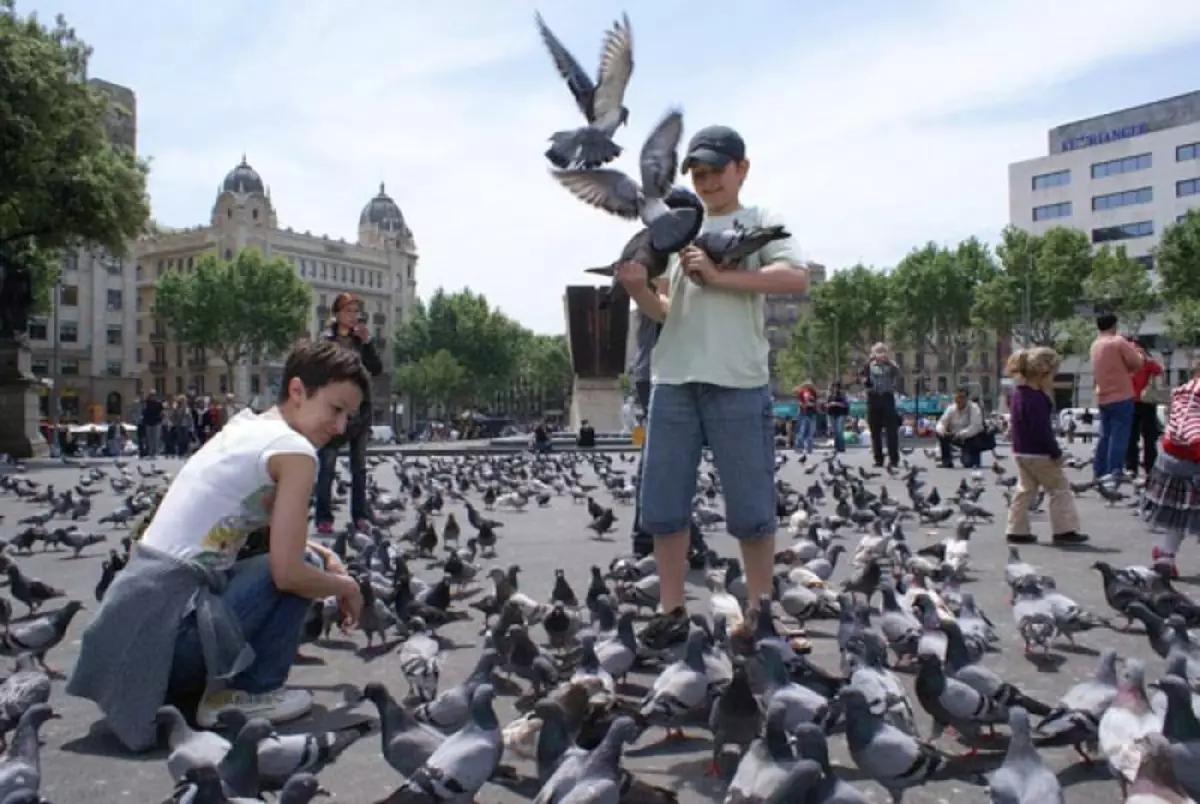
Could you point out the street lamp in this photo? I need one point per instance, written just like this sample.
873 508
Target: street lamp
837 347
1167 349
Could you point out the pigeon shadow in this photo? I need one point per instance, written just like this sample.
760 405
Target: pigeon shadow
100 742
669 747
1046 662
304 660
336 644
1078 650
1082 772
693 774
1087 547
633 689
525 786
373 652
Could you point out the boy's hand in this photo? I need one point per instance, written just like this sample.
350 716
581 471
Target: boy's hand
696 264
350 603
632 276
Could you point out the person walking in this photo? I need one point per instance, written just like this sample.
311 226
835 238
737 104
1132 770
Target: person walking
183 429
1036 450
806 416
1173 484
349 331
152 421
1147 396
1114 362
837 407
882 377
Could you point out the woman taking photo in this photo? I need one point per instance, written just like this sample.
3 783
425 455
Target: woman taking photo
350 331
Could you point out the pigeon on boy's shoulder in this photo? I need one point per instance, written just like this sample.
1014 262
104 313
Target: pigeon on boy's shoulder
731 246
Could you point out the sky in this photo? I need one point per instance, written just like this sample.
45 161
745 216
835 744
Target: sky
872 126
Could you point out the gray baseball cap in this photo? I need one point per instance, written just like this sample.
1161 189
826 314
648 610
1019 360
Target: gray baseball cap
716 146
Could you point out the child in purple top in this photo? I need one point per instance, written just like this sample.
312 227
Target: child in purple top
1035 450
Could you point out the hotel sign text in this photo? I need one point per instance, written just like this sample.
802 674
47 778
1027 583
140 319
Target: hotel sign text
1101 137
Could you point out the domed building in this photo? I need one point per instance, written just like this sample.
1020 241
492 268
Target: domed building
379 268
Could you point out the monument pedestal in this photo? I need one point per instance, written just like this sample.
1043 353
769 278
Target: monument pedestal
599 400
19 415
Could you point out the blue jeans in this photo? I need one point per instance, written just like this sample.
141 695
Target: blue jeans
270 621
738 425
359 508
806 427
1116 425
838 425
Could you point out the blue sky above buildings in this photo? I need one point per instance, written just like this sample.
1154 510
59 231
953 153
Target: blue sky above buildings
872 126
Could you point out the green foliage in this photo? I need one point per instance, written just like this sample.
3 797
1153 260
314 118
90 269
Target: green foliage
1177 259
545 361
1074 336
813 353
1120 284
856 299
236 309
1183 327
1055 265
484 341
436 378
61 183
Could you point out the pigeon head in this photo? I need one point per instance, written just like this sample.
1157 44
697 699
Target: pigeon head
376 693
303 787
811 743
231 720
1175 688
624 730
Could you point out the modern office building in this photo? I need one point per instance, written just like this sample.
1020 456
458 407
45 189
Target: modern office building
379 268
1122 177
85 343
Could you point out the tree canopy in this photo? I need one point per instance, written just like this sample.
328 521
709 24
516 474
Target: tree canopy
62 183
1120 284
457 349
247 307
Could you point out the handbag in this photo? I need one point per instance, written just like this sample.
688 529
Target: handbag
1153 393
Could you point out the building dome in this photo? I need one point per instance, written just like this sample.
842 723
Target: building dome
243 179
382 211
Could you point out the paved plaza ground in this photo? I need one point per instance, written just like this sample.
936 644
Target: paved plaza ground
81 764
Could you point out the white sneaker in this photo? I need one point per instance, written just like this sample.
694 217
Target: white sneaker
277 707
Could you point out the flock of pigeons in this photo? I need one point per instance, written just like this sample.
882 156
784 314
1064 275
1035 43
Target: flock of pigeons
575 660
672 214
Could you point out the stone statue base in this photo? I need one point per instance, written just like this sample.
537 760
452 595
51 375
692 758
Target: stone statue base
599 400
19 414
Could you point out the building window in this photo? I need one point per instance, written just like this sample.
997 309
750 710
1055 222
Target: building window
115 266
1187 187
69 368
1124 231
69 296
114 336
1146 261
1059 178
68 332
114 299
114 368
1115 167
1142 195
138 355
178 385
1051 211
37 329
40 368
228 254
1187 152
255 384
160 386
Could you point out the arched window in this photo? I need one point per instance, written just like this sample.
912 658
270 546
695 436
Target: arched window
112 404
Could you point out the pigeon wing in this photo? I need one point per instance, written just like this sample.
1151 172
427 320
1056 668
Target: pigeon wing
606 189
616 67
660 157
578 81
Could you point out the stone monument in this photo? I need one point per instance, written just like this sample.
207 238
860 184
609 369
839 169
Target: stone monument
596 335
19 433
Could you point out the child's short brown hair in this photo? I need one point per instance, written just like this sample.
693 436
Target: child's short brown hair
1032 364
320 363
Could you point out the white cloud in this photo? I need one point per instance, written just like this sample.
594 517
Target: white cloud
855 133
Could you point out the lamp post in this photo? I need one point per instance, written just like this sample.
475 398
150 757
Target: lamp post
1167 349
837 347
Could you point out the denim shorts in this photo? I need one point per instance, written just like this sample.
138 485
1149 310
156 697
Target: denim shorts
738 425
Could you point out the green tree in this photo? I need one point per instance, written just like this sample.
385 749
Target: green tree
854 303
1052 266
1182 325
1177 259
247 307
545 363
62 184
813 353
484 341
436 379
1120 284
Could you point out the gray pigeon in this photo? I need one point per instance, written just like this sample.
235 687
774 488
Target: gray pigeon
736 717
618 194
20 771
1155 782
771 772
731 246
461 765
239 767
882 752
189 749
811 744
283 756
24 688
681 688
594 778
1075 719
451 709
1128 718
1181 727
1024 778
407 744
301 789
420 661
602 101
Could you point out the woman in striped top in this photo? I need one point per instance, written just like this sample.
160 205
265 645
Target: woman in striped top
1173 486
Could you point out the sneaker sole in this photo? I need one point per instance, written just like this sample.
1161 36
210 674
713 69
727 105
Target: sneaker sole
207 718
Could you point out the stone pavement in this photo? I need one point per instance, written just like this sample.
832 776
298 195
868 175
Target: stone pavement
81 764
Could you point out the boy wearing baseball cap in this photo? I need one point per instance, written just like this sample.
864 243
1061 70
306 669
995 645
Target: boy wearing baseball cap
712 383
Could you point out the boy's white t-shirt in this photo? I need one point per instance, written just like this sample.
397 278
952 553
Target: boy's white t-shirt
224 493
